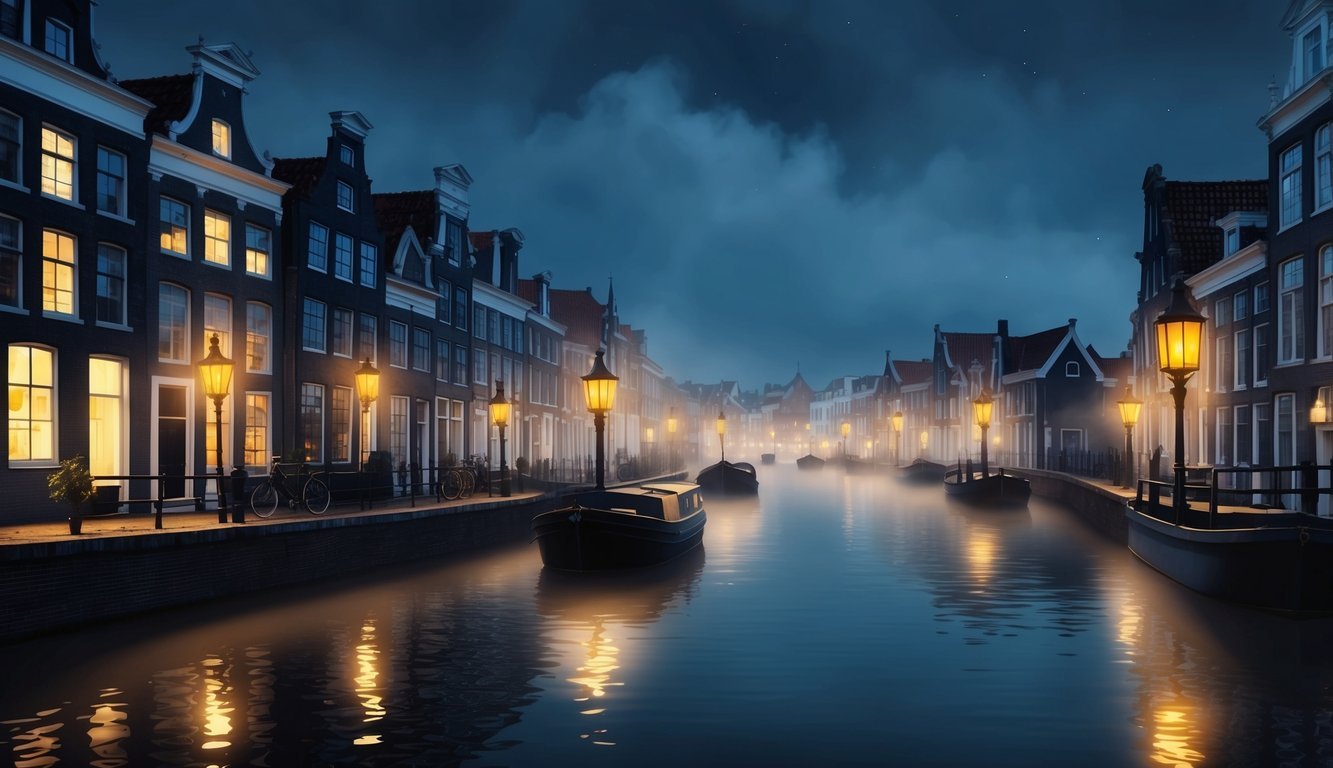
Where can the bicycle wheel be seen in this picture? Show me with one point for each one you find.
(469, 482)
(451, 485)
(264, 500)
(315, 496)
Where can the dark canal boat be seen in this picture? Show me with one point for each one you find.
(621, 527)
(922, 472)
(727, 479)
(768, 458)
(810, 461)
(1276, 559)
(982, 489)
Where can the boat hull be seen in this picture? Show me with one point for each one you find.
(768, 458)
(921, 472)
(991, 491)
(588, 539)
(727, 479)
(810, 461)
(1279, 564)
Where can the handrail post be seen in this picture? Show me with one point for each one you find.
(1212, 499)
(157, 505)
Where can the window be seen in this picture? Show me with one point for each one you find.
(10, 145)
(493, 326)
(312, 422)
(1261, 361)
(342, 257)
(59, 271)
(1221, 312)
(345, 196)
(1284, 448)
(110, 181)
(370, 264)
(57, 164)
(221, 139)
(11, 260)
(258, 246)
(453, 234)
(1240, 305)
(258, 329)
(317, 251)
(342, 332)
(368, 342)
(340, 414)
(312, 327)
(107, 411)
(1261, 298)
(518, 336)
(173, 323)
(347, 155)
(398, 428)
(442, 310)
(1326, 301)
(256, 431)
(1243, 435)
(59, 40)
(507, 331)
(460, 364)
(479, 366)
(110, 285)
(1313, 47)
(1222, 367)
(1290, 204)
(217, 320)
(397, 344)
(32, 414)
(11, 16)
(217, 238)
(174, 218)
(1290, 327)
(478, 321)
(421, 349)
(442, 359)
(1072, 369)
(460, 308)
(1224, 438)
(1230, 241)
(1323, 167)
(1242, 349)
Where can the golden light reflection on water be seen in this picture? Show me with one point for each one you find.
(1173, 731)
(600, 659)
(367, 681)
(107, 729)
(217, 712)
(981, 552)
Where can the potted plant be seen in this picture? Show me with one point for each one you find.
(72, 484)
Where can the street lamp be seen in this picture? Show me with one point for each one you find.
(599, 395)
(722, 433)
(1179, 337)
(367, 391)
(981, 409)
(216, 370)
(1129, 416)
(500, 418)
(671, 437)
(846, 430)
(897, 435)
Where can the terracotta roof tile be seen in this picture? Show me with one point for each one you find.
(1026, 353)
(966, 347)
(581, 314)
(172, 96)
(914, 371)
(1193, 206)
(303, 173)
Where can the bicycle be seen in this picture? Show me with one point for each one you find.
(313, 493)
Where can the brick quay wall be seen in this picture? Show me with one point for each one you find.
(51, 586)
(1103, 508)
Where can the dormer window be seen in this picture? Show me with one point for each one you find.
(1313, 47)
(1072, 370)
(1230, 241)
(59, 40)
(221, 139)
(345, 196)
(347, 155)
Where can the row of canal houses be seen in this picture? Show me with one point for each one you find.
(137, 221)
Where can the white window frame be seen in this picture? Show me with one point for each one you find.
(58, 266)
(213, 242)
(54, 388)
(311, 240)
(395, 345)
(342, 270)
(122, 186)
(251, 335)
(1323, 167)
(120, 401)
(51, 183)
(1324, 320)
(301, 406)
(218, 306)
(17, 181)
(350, 196)
(370, 257)
(124, 283)
(306, 315)
(1260, 340)
(374, 328)
(1289, 186)
(1241, 359)
(263, 455)
(221, 139)
(184, 358)
(161, 201)
(348, 337)
(346, 423)
(346, 155)
(55, 25)
(253, 255)
(1222, 376)
(15, 253)
(1073, 370)
(1291, 311)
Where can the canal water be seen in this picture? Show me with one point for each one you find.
(834, 621)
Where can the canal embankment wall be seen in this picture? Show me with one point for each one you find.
(50, 586)
(1101, 508)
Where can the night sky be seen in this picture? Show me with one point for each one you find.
(774, 182)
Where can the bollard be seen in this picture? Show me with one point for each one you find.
(238, 476)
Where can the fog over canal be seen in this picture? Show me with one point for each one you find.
(836, 620)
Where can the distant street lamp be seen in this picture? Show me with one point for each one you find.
(773, 437)
(599, 394)
(671, 437)
(897, 435)
(500, 418)
(981, 410)
(722, 433)
(1129, 416)
(215, 370)
(367, 391)
(1179, 335)
(846, 430)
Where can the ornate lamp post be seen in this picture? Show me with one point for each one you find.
(809, 440)
(367, 391)
(216, 370)
(846, 430)
(981, 410)
(773, 438)
(671, 437)
(722, 433)
(1179, 337)
(1129, 416)
(500, 418)
(599, 395)
(897, 435)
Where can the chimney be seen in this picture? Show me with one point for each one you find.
(1002, 329)
(1073, 321)
(495, 258)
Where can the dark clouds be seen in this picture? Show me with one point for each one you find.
(772, 181)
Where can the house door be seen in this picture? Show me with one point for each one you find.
(1071, 448)
(1323, 448)
(171, 438)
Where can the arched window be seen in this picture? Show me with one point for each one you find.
(1072, 370)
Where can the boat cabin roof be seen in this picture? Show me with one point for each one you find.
(664, 501)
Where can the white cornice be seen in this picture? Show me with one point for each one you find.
(171, 159)
(1243, 263)
(70, 87)
(546, 322)
(501, 301)
(405, 295)
(1297, 106)
(1014, 378)
(1242, 219)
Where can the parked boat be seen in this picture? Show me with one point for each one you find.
(997, 490)
(727, 479)
(1279, 560)
(621, 527)
(856, 466)
(810, 461)
(768, 458)
(922, 472)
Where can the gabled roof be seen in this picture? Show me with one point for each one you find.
(303, 173)
(1118, 368)
(1191, 208)
(913, 371)
(1028, 353)
(396, 211)
(963, 348)
(581, 314)
(172, 97)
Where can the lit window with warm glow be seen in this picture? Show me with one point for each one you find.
(173, 323)
(57, 164)
(217, 238)
(258, 328)
(256, 429)
(221, 139)
(59, 272)
(106, 416)
(32, 416)
(258, 246)
(174, 223)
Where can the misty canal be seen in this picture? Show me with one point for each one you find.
(835, 621)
